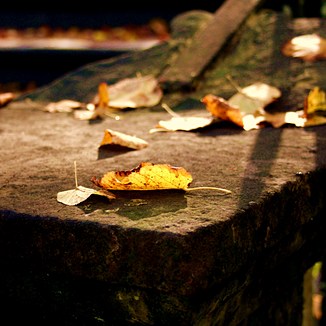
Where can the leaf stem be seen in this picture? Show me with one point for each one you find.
(239, 89)
(76, 182)
(225, 191)
(169, 110)
(234, 84)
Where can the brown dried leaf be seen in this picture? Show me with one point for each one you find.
(221, 109)
(246, 107)
(99, 110)
(122, 139)
(103, 93)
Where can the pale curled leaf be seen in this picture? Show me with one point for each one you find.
(79, 194)
(308, 47)
(254, 98)
(63, 106)
(183, 123)
(118, 138)
(87, 115)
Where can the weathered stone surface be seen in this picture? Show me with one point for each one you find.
(160, 257)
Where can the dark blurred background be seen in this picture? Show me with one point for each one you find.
(96, 13)
(36, 67)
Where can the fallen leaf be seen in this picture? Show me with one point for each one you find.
(279, 119)
(141, 91)
(315, 102)
(63, 106)
(122, 139)
(87, 115)
(315, 120)
(254, 97)
(308, 47)
(149, 176)
(99, 110)
(103, 93)
(315, 107)
(5, 98)
(79, 193)
(251, 115)
(136, 92)
(183, 123)
(221, 109)
(246, 107)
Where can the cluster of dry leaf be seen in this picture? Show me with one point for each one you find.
(245, 109)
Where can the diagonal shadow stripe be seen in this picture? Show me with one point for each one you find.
(259, 164)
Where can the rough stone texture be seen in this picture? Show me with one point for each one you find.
(164, 257)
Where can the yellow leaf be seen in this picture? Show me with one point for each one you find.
(315, 101)
(315, 120)
(147, 176)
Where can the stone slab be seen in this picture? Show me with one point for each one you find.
(161, 256)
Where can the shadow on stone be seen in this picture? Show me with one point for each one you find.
(137, 205)
(108, 151)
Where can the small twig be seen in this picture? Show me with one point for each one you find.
(225, 191)
(112, 115)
